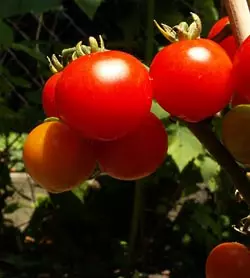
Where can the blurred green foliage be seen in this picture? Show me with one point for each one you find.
(106, 228)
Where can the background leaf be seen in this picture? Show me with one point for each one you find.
(183, 146)
(89, 6)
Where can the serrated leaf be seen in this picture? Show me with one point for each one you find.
(89, 6)
(6, 37)
(18, 7)
(183, 146)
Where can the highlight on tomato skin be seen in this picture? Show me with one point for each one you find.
(136, 155)
(57, 158)
(48, 95)
(195, 84)
(104, 95)
(229, 43)
(228, 260)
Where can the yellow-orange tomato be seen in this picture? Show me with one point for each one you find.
(228, 260)
(57, 158)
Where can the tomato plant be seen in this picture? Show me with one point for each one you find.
(56, 157)
(48, 95)
(241, 73)
(192, 79)
(228, 260)
(104, 95)
(229, 43)
(136, 155)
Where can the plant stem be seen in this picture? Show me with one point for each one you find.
(207, 137)
(137, 209)
(239, 16)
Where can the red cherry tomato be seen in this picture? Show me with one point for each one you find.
(48, 95)
(192, 79)
(229, 44)
(238, 99)
(57, 158)
(228, 260)
(241, 70)
(104, 95)
(136, 155)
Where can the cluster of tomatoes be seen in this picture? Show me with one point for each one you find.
(102, 103)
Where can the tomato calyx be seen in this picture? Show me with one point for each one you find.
(51, 119)
(70, 54)
(182, 31)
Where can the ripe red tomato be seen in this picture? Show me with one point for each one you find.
(241, 70)
(238, 99)
(229, 44)
(192, 79)
(56, 157)
(228, 260)
(136, 155)
(48, 95)
(104, 95)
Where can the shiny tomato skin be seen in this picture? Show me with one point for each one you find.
(104, 95)
(137, 154)
(241, 70)
(229, 43)
(56, 157)
(192, 79)
(48, 95)
(228, 260)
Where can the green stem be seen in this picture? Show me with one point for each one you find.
(150, 32)
(137, 211)
(238, 176)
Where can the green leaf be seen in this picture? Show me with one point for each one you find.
(18, 7)
(89, 6)
(208, 166)
(183, 145)
(33, 53)
(6, 37)
(159, 111)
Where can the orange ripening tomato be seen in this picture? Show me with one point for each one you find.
(229, 43)
(56, 157)
(48, 95)
(228, 260)
(136, 155)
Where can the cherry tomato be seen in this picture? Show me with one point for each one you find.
(104, 95)
(136, 155)
(48, 95)
(238, 99)
(228, 260)
(192, 79)
(241, 70)
(56, 157)
(229, 43)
